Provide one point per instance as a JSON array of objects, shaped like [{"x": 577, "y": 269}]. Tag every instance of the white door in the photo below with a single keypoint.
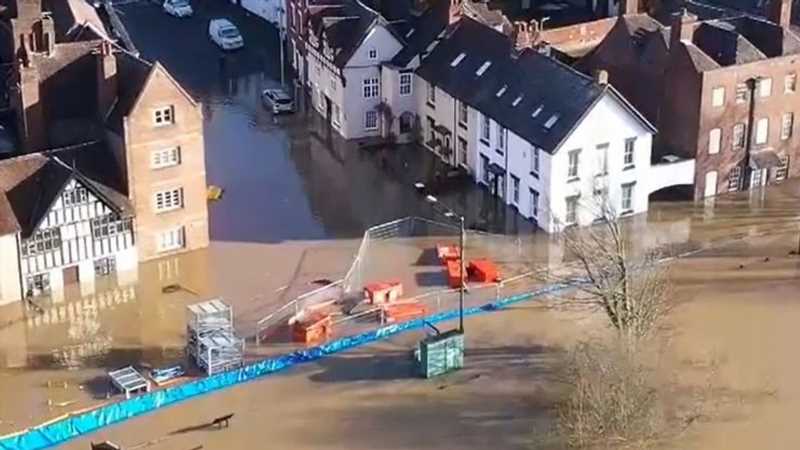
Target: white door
[{"x": 711, "y": 184}]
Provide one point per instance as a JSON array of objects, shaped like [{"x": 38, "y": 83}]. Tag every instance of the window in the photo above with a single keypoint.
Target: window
[
  {"x": 741, "y": 93},
  {"x": 42, "y": 241},
  {"x": 627, "y": 197},
  {"x": 485, "y": 168},
  {"x": 514, "y": 190},
  {"x": 714, "y": 141},
  {"x": 371, "y": 87},
  {"x": 572, "y": 210},
  {"x": 602, "y": 159},
  {"x": 457, "y": 59},
  {"x": 551, "y": 121},
  {"x": 739, "y": 135},
  {"x": 501, "y": 91},
  {"x": 534, "y": 204},
  {"x": 718, "y": 96},
  {"x": 164, "y": 116},
  {"x": 762, "y": 130},
  {"x": 572, "y": 166},
  {"x": 431, "y": 131},
  {"x": 627, "y": 157},
  {"x": 765, "y": 87},
  {"x": 501, "y": 139},
  {"x": 165, "y": 158},
  {"x": 790, "y": 83},
  {"x": 371, "y": 120},
  {"x": 782, "y": 171},
  {"x": 462, "y": 113},
  {"x": 485, "y": 129},
  {"x": 169, "y": 200},
  {"x": 171, "y": 239},
  {"x": 110, "y": 226},
  {"x": 431, "y": 94},
  {"x": 405, "y": 83},
  {"x": 537, "y": 111},
  {"x": 406, "y": 122},
  {"x": 787, "y": 124},
  {"x": 105, "y": 266},
  {"x": 372, "y": 54},
  {"x": 733, "y": 179},
  {"x": 76, "y": 196},
  {"x": 337, "y": 112},
  {"x": 462, "y": 151},
  {"x": 516, "y": 101},
  {"x": 535, "y": 161},
  {"x": 483, "y": 68},
  {"x": 37, "y": 284}
]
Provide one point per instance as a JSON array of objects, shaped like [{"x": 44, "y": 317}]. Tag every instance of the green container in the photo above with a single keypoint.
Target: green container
[{"x": 441, "y": 353}]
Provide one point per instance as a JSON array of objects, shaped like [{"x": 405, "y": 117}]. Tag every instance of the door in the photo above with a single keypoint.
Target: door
[
  {"x": 711, "y": 184},
  {"x": 71, "y": 275},
  {"x": 758, "y": 178},
  {"x": 328, "y": 115}
]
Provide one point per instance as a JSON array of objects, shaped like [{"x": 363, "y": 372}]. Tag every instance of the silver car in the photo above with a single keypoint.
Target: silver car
[{"x": 277, "y": 100}]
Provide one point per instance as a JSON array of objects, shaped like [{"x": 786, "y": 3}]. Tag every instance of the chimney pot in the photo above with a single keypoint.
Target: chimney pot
[{"x": 601, "y": 76}]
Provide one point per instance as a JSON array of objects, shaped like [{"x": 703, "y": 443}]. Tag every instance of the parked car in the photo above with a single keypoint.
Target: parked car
[
  {"x": 178, "y": 8},
  {"x": 225, "y": 34},
  {"x": 277, "y": 100}
]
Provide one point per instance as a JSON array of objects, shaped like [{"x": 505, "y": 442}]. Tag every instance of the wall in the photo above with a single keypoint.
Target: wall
[
  {"x": 266, "y": 9},
  {"x": 142, "y": 138},
  {"x": 400, "y": 104},
  {"x": 607, "y": 122},
  {"x": 10, "y": 288}
]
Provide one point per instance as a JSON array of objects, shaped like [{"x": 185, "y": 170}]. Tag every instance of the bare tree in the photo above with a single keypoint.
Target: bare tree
[{"x": 632, "y": 290}]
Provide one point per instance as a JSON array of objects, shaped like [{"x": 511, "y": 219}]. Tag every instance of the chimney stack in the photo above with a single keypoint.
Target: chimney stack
[
  {"x": 601, "y": 77},
  {"x": 455, "y": 11},
  {"x": 522, "y": 35},
  {"x": 107, "y": 84},
  {"x": 627, "y": 7},
  {"x": 780, "y": 12},
  {"x": 682, "y": 28}
]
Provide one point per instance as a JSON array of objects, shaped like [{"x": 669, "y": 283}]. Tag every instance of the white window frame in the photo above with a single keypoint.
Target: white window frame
[
  {"x": 764, "y": 87},
  {"x": 168, "y": 200},
  {"x": 741, "y": 93},
  {"x": 371, "y": 120},
  {"x": 431, "y": 94},
  {"x": 371, "y": 87},
  {"x": 739, "y": 138},
  {"x": 486, "y": 128},
  {"x": 573, "y": 163},
  {"x": 627, "y": 197},
  {"x": 406, "y": 84},
  {"x": 535, "y": 161},
  {"x": 718, "y": 96},
  {"x": 629, "y": 152},
  {"x": 602, "y": 159},
  {"x": 164, "y": 116},
  {"x": 534, "y": 203},
  {"x": 501, "y": 139},
  {"x": 782, "y": 171},
  {"x": 762, "y": 131},
  {"x": 463, "y": 113},
  {"x": 714, "y": 141},
  {"x": 787, "y": 125},
  {"x": 571, "y": 211},
  {"x": 790, "y": 83},
  {"x": 462, "y": 150},
  {"x": 734, "y": 179},
  {"x": 172, "y": 239},
  {"x": 167, "y": 157},
  {"x": 515, "y": 189}
]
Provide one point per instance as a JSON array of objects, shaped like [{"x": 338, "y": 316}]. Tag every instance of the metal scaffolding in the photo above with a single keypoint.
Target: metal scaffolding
[{"x": 211, "y": 341}]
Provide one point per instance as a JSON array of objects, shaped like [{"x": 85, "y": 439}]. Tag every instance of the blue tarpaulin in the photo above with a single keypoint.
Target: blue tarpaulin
[{"x": 88, "y": 422}]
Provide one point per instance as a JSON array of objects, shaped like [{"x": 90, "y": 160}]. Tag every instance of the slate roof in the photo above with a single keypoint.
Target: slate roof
[
  {"x": 133, "y": 73},
  {"x": 30, "y": 184},
  {"x": 425, "y": 29},
  {"x": 76, "y": 20},
  {"x": 343, "y": 27},
  {"x": 528, "y": 82}
]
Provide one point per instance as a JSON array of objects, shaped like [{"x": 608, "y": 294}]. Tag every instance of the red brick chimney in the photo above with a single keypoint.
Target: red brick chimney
[
  {"x": 522, "y": 35},
  {"x": 682, "y": 28},
  {"x": 455, "y": 11},
  {"x": 780, "y": 12},
  {"x": 107, "y": 83}
]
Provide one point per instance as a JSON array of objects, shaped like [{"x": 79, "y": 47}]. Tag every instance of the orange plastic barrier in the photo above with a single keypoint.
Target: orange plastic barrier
[
  {"x": 447, "y": 252},
  {"x": 402, "y": 312},
  {"x": 314, "y": 329},
  {"x": 454, "y": 273},
  {"x": 383, "y": 292},
  {"x": 483, "y": 270}
]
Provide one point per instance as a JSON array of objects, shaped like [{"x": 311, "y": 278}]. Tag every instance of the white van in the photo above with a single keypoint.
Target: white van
[{"x": 225, "y": 34}]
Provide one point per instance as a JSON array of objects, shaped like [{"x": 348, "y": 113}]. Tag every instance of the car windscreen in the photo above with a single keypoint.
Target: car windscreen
[
  {"x": 180, "y": 3},
  {"x": 229, "y": 32}
]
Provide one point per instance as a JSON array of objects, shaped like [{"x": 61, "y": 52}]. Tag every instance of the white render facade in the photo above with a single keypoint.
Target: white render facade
[
  {"x": 78, "y": 239},
  {"x": 540, "y": 185},
  {"x": 349, "y": 97}
]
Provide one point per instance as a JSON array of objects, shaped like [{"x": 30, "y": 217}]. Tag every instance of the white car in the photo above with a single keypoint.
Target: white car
[
  {"x": 277, "y": 100},
  {"x": 225, "y": 34},
  {"x": 178, "y": 8}
]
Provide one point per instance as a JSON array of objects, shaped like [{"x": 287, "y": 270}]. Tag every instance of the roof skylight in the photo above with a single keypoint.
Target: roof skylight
[
  {"x": 516, "y": 101},
  {"x": 501, "y": 91},
  {"x": 457, "y": 59},
  {"x": 410, "y": 32},
  {"x": 551, "y": 121},
  {"x": 537, "y": 111},
  {"x": 483, "y": 68}
]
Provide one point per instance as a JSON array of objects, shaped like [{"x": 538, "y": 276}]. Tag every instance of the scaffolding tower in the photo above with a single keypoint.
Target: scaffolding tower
[{"x": 211, "y": 341}]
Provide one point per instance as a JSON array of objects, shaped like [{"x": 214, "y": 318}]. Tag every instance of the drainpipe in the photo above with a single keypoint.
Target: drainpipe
[{"x": 748, "y": 146}]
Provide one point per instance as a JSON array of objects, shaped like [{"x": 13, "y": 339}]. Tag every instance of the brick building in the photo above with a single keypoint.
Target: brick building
[
  {"x": 722, "y": 91},
  {"x": 111, "y": 118}
]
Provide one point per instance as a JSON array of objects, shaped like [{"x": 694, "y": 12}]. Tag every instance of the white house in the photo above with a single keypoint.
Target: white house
[
  {"x": 58, "y": 226},
  {"x": 553, "y": 143}
]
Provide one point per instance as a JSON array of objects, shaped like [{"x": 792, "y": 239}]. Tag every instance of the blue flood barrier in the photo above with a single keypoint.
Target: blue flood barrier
[{"x": 78, "y": 425}]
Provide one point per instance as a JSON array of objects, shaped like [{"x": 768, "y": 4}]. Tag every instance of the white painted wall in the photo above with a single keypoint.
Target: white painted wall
[
  {"x": 268, "y": 10},
  {"x": 445, "y": 112},
  {"x": 10, "y": 289}
]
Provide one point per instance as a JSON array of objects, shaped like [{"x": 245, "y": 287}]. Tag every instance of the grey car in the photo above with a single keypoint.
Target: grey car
[{"x": 277, "y": 100}]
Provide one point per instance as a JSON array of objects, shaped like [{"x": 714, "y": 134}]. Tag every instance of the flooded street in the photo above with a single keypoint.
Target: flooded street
[{"x": 296, "y": 202}]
